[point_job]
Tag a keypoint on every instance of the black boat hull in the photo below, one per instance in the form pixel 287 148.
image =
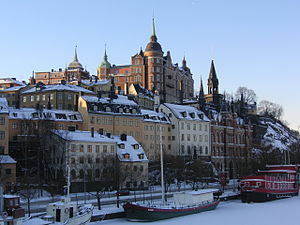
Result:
pixel 252 196
pixel 135 212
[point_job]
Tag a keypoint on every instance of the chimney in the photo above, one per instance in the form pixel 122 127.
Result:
pixel 100 131
pixel 92 132
pixel 123 137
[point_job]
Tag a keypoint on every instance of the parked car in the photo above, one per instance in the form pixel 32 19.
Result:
pixel 122 193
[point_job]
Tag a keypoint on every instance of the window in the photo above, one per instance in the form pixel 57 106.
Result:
pixel 89 148
pixel 73 148
pixel 24 99
pixel 32 98
pixel 81 149
pixel 38 98
pixel 8 171
pixel 2 135
pixel 188 126
pixel 73 161
pixel 2 120
pixel 182 125
pixel 104 148
pixel 51 96
pixel 69 97
pixel 97 148
pixel 182 137
pixel 126 156
pixel 112 149
pixel 81 160
pixel 44 97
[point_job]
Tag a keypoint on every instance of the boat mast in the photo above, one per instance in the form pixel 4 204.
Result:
pixel 163 199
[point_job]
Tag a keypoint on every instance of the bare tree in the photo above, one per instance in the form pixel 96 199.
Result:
pixel 268 108
pixel 249 95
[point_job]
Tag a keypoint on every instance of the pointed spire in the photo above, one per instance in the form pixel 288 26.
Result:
pixel 184 62
pixel 105 62
pixel 75 56
pixel 153 37
pixel 153 27
pixel 105 55
pixel 201 87
pixel 212 72
pixel 141 52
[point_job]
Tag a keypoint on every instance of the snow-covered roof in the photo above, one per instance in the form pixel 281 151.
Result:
pixel 121 100
pixel 152 116
pixel 15 88
pixel 3 105
pixel 49 114
pixel 6 159
pixel 187 112
pixel 93 83
pixel 82 136
pixel 10 81
pixel 59 87
pixel 127 147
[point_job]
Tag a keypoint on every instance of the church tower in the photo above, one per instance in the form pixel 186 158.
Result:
pixel 103 69
pixel 213 95
pixel 154 63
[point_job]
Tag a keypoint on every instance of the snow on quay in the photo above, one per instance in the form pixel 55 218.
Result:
pixel 279 212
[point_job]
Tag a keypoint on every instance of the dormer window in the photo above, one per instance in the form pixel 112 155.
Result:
pixel 141 156
pixel 121 110
pixel 133 111
pixel 135 146
pixel 183 114
pixel 72 117
pixel 200 116
pixel 35 115
pixel 122 146
pixel 127 110
pixel 95 108
pixel 107 109
pixel 126 156
pixel 192 115
pixel 15 115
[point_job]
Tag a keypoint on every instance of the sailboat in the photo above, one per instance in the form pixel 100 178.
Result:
pixel 65 212
pixel 184 203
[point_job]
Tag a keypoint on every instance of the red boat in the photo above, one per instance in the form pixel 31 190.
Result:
pixel 275 182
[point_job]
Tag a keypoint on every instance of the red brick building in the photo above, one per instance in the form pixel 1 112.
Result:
pixel 152 70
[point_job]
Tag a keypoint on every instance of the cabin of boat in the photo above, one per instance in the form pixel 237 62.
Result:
pixel 275 182
pixel 13 213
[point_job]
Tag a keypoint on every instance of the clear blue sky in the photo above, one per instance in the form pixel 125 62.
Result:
pixel 255 43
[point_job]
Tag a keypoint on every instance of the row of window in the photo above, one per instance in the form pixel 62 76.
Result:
pixel 93 148
pixel 194 150
pixel 237 139
pixel 200 138
pixel 152 128
pixel 33 98
pixel 189 126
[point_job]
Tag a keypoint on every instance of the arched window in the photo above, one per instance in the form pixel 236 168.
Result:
pixel 81 174
pixel 97 173
pixel 73 174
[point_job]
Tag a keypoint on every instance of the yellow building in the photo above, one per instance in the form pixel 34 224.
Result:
pixel 7 164
pixel 59 96
pixel 121 115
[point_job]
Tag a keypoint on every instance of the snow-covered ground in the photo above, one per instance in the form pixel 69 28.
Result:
pixel 279 212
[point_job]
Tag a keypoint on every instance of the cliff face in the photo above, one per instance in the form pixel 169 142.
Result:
pixel 272 134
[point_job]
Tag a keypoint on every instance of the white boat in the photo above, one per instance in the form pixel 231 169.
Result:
pixel 65 212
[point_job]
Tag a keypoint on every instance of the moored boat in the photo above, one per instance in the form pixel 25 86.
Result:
pixel 275 182
pixel 184 203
